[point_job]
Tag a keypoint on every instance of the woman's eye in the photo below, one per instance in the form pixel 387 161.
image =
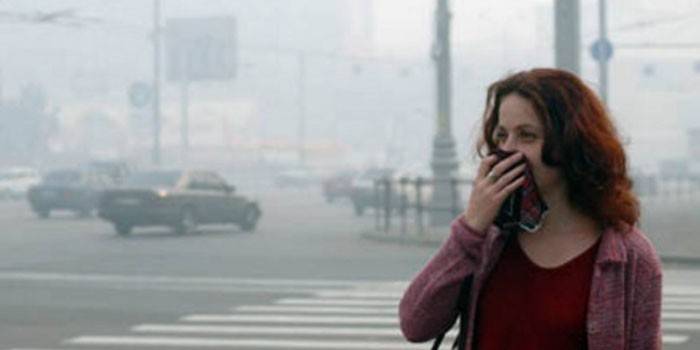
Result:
pixel 527 136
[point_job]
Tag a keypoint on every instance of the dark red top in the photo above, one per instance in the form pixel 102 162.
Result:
pixel 526 307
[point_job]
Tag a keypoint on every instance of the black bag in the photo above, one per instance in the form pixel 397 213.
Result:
pixel 463 307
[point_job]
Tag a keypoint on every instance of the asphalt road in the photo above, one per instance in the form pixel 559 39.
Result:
pixel 304 280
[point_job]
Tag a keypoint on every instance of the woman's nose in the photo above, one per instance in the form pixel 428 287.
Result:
pixel 509 145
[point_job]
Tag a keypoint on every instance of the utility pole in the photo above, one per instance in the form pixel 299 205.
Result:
pixel 444 158
pixel 567 36
pixel 184 109
pixel 302 109
pixel 603 62
pixel 156 82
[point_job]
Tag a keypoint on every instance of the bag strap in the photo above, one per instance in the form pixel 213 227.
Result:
pixel 438 341
pixel 463 307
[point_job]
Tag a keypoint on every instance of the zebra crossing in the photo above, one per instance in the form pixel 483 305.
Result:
pixel 359 315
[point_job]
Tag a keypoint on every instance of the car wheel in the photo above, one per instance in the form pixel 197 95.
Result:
pixel 187 222
pixel 123 229
pixel 251 215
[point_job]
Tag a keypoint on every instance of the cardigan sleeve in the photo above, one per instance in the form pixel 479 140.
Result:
pixel 646 322
pixel 429 304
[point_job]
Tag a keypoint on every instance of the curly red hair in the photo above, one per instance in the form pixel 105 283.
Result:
pixel 580 139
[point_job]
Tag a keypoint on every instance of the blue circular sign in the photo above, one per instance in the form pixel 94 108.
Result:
pixel 602 50
pixel 140 94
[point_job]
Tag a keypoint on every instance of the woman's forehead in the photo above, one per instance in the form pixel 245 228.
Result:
pixel 515 112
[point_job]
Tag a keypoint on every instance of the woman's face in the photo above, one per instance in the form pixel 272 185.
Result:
pixel 520 129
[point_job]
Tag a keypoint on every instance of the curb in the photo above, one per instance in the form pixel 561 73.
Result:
pixel 407 239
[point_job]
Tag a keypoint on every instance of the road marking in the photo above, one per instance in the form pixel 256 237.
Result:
pixel 155 279
pixel 316 331
pixel 674 339
pixel 359 294
pixel 680 307
pixel 225 342
pixel 358 288
pixel 681 326
pixel 292 319
pixel 680 300
pixel 681 290
pixel 680 315
pixel 316 309
pixel 337 302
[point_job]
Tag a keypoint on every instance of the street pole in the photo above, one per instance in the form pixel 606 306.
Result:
pixel 302 109
pixel 603 63
pixel 184 107
pixel 156 83
pixel 444 158
pixel 567 37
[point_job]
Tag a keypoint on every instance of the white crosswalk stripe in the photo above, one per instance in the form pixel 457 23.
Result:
pixel 338 302
pixel 335 315
pixel 293 319
pixel 674 339
pixel 680 313
pixel 283 330
pixel 316 309
pixel 360 316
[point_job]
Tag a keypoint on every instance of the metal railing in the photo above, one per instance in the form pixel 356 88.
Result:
pixel 409 200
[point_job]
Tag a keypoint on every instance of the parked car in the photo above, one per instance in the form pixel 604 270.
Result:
pixel 176 198
pixel 116 170
pixel 363 194
pixel 338 185
pixel 75 190
pixel 16 181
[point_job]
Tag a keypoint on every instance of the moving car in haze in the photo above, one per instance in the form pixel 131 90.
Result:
pixel 179 199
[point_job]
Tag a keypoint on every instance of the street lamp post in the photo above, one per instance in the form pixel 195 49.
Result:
pixel 156 83
pixel 444 157
pixel 603 61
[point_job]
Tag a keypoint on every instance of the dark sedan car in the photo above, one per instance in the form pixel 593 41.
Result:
pixel 76 190
pixel 179 199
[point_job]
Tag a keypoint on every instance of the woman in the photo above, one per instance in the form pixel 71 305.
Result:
pixel 587 278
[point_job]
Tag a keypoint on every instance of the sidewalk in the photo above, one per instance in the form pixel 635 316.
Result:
pixel 672 225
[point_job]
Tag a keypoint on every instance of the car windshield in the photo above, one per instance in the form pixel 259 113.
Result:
pixel 67 177
pixel 153 179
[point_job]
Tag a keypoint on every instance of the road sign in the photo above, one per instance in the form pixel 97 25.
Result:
pixel 602 50
pixel 140 94
pixel 201 48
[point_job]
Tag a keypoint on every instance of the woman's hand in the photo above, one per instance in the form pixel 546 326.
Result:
pixel 491 186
